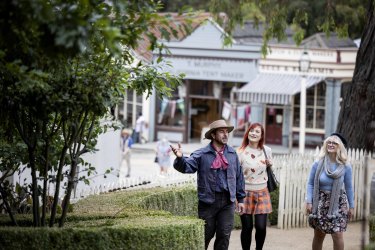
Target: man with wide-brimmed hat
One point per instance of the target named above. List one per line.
(220, 182)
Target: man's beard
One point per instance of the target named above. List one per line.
(223, 141)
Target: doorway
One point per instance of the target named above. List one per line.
(202, 112)
(274, 125)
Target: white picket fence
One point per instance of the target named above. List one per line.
(293, 170)
(172, 179)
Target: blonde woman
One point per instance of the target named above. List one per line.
(257, 201)
(330, 197)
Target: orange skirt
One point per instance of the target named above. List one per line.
(258, 202)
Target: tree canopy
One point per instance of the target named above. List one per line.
(63, 65)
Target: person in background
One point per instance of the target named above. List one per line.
(330, 196)
(139, 126)
(126, 143)
(163, 151)
(258, 200)
(220, 182)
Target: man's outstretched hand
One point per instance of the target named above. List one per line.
(176, 150)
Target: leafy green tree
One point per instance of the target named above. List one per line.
(63, 65)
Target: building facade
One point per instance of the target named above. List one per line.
(211, 72)
(274, 94)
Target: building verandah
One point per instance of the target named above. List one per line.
(274, 95)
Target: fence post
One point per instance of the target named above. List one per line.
(280, 216)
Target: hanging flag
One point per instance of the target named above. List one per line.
(241, 116)
(226, 111)
(247, 113)
(164, 104)
(181, 105)
(173, 108)
(233, 116)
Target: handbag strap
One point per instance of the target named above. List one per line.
(265, 154)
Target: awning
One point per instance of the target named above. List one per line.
(274, 88)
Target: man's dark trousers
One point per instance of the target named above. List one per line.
(219, 219)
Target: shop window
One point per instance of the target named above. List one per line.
(315, 107)
(319, 122)
(171, 112)
(201, 88)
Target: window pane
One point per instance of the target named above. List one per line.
(310, 95)
(129, 114)
(296, 117)
(309, 118)
(320, 118)
(203, 88)
(297, 99)
(171, 112)
(129, 95)
(321, 94)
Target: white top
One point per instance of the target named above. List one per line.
(254, 167)
(139, 123)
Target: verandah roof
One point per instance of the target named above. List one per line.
(274, 88)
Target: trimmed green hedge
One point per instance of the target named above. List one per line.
(183, 202)
(146, 233)
(157, 218)
(273, 217)
(117, 220)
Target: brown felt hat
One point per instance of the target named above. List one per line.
(215, 125)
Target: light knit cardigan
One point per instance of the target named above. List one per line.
(336, 187)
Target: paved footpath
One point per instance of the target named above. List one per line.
(298, 239)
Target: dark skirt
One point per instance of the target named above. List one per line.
(330, 225)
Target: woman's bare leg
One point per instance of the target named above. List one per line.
(338, 241)
(317, 243)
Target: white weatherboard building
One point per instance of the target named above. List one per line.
(238, 84)
(274, 95)
(211, 72)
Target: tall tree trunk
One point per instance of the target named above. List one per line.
(357, 115)
(45, 182)
(71, 180)
(34, 188)
(57, 188)
(75, 153)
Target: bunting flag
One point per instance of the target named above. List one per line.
(233, 116)
(226, 111)
(164, 104)
(247, 113)
(172, 105)
(240, 116)
(181, 105)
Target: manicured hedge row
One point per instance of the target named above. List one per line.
(181, 201)
(146, 233)
(117, 220)
(139, 219)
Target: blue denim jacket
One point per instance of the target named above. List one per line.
(201, 160)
